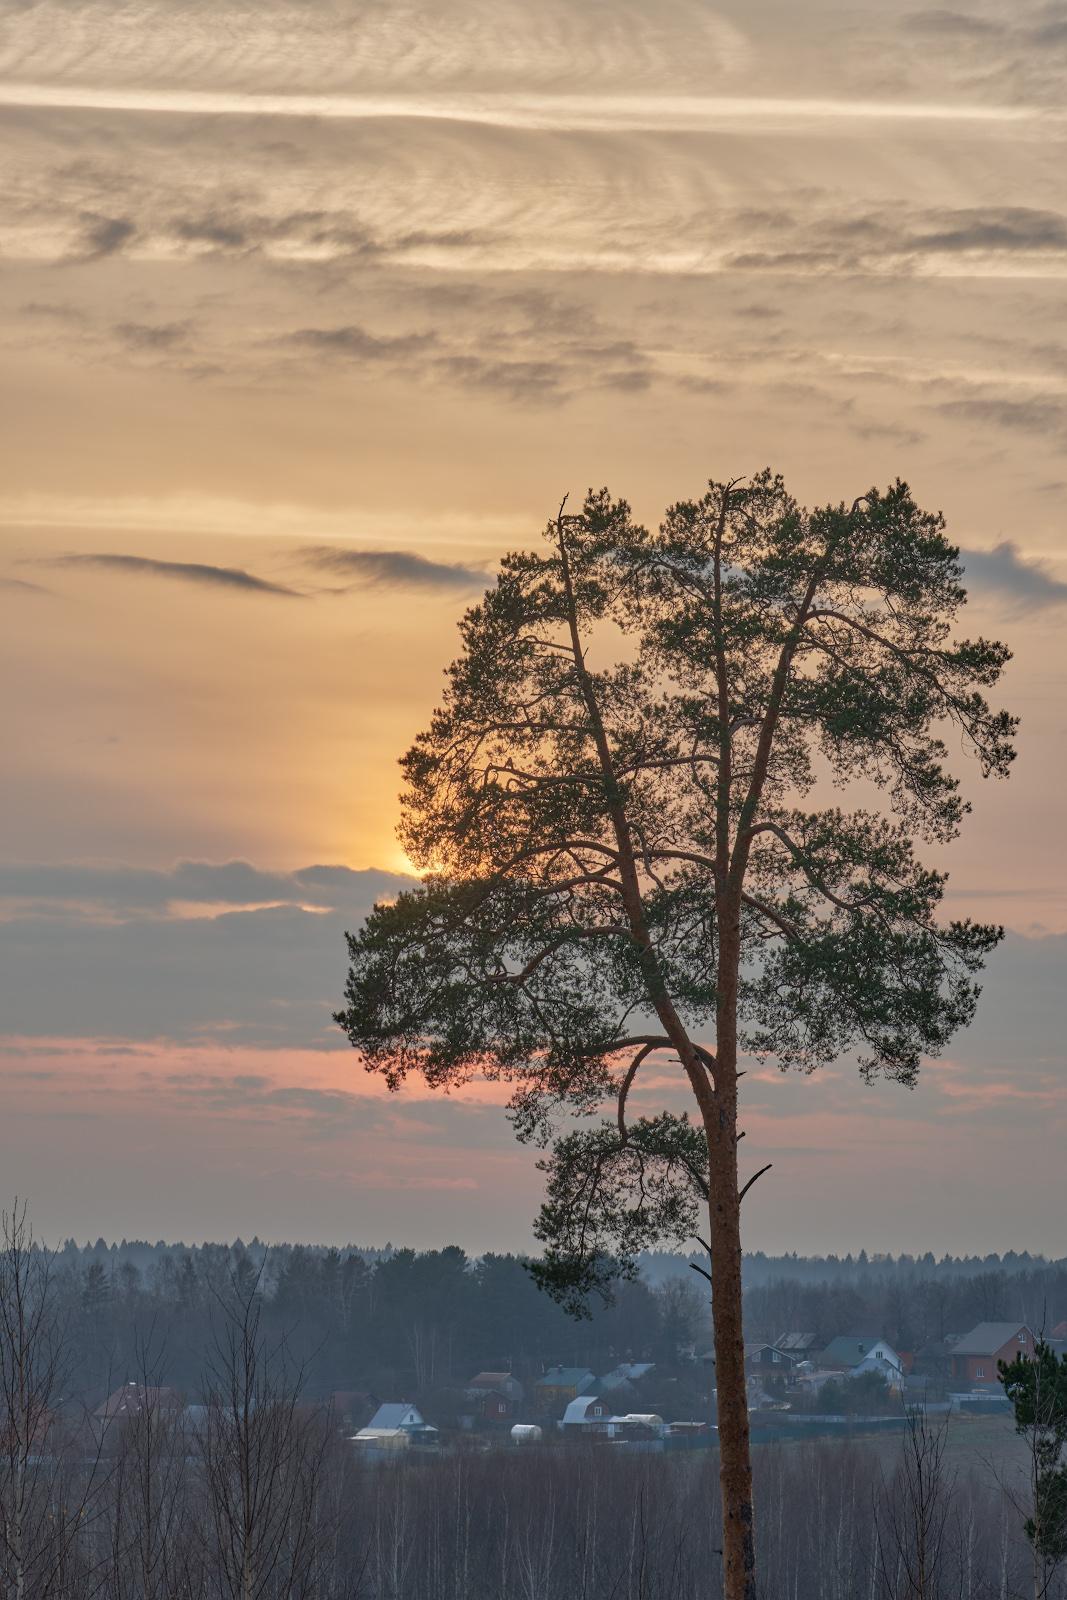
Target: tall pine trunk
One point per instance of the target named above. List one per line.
(735, 1462)
(724, 1207)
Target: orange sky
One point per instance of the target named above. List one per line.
(308, 366)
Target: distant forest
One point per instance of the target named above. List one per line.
(407, 1324)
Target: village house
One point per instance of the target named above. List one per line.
(802, 1346)
(768, 1361)
(975, 1356)
(586, 1413)
(134, 1399)
(396, 1424)
(627, 1372)
(489, 1405)
(890, 1374)
(559, 1386)
(848, 1350)
(495, 1383)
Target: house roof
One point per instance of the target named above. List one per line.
(395, 1415)
(797, 1341)
(566, 1378)
(849, 1349)
(133, 1398)
(504, 1383)
(576, 1410)
(783, 1358)
(625, 1373)
(987, 1338)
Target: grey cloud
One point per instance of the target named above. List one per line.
(398, 568)
(353, 340)
(340, 232)
(131, 890)
(1033, 414)
(997, 228)
(23, 586)
(184, 571)
(212, 230)
(1004, 570)
(1051, 26)
(153, 335)
(268, 977)
(862, 244)
(757, 311)
(53, 311)
(959, 23)
(104, 236)
(519, 380)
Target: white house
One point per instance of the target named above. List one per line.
(847, 1351)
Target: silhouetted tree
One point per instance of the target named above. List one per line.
(609, 810)
(262, 1456)
(1037, 1389)
(46, 1489)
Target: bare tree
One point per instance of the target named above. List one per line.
(912, 1513)
(49, 1475)
(262, 1453)
(152, 1553)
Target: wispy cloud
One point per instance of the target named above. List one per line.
(624, 113)
(356, 342)
(23, 586)
(397, 569)
(152, 335)
(1005, 570)
(232, 578)
(940, 20)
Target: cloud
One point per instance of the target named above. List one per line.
(104, 236)
(996, 228)
(957, 23)
(145, 954)
(825, 242)
(653, 112)
(152, 335)
(1004, 570)
(1038, 414)
(324, 234)
(183, 571)
(23, 586)
(131, 891)
(352, 340)
(398, 569)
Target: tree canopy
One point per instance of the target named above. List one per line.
(631, 765)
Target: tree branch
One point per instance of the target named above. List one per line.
(747, 1186)
(624, 1087)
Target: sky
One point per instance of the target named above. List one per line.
(308, 312)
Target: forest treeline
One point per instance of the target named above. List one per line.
(248, 1487)
(403, 1323)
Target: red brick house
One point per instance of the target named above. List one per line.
(975, 1356)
